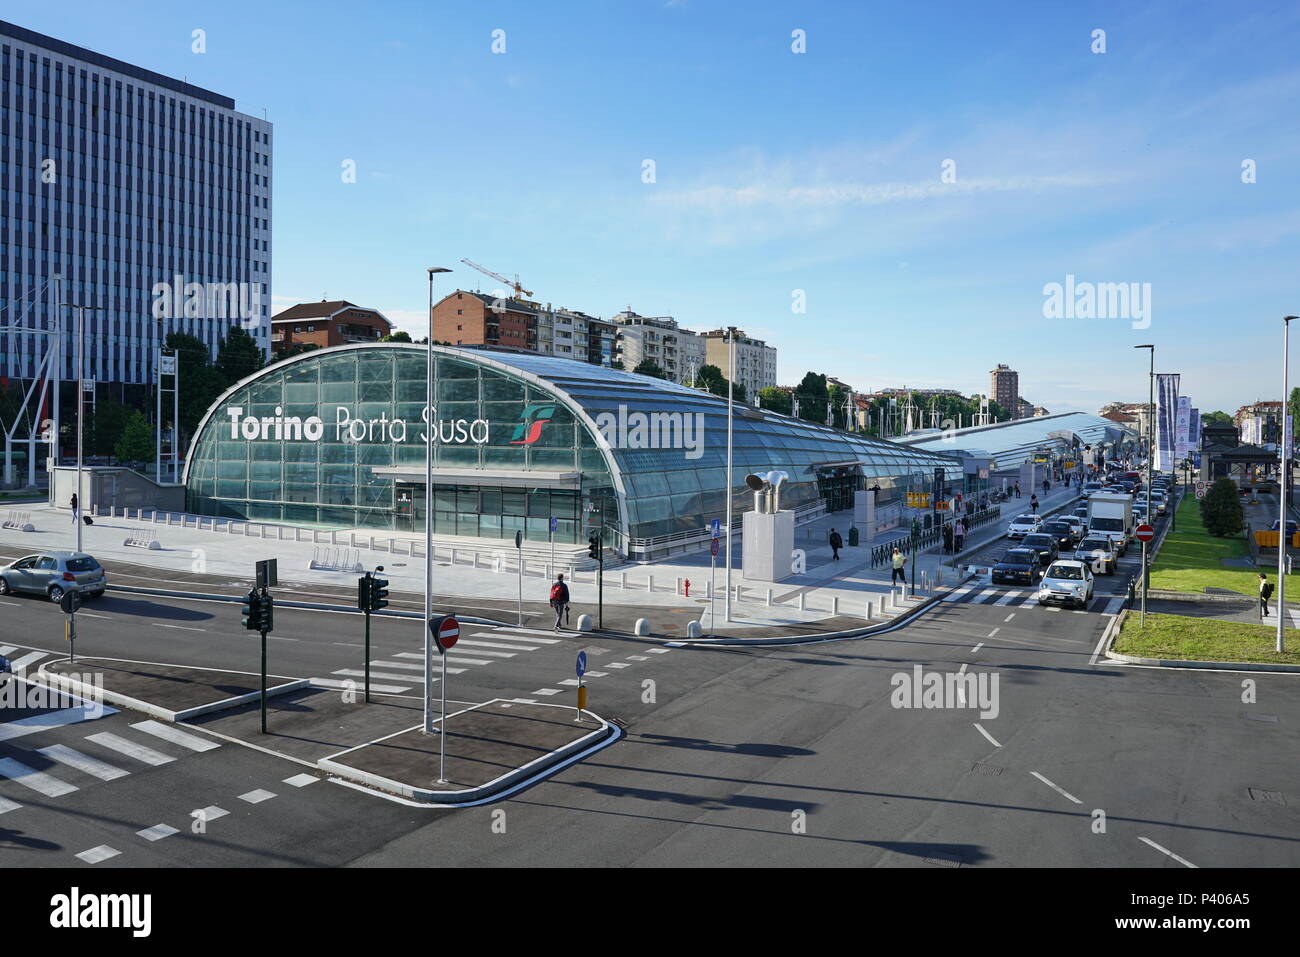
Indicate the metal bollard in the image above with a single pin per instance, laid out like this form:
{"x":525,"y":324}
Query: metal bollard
{"x":870,"y":609}
{"x":835,"y":604}
{"x":649,"y":583}
{"x":769,"y":598}
{"x":802,"y":600}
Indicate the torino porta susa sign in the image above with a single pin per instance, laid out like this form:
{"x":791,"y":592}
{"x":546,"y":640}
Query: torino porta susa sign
{"x":347,"y":428}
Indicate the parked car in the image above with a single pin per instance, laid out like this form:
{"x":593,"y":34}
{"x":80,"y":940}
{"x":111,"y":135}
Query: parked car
{"x":1066,"y":583}
{"x":1019,"y":566}
{"x":1061,"y":531}
{"x":1022,"y":525}
{"x":54,"y":573}
{"x":1044,"y":544}
{"x":1097,"y":551}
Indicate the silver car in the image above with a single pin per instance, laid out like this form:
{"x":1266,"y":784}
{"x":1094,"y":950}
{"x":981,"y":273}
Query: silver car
{"x":53,"y":574}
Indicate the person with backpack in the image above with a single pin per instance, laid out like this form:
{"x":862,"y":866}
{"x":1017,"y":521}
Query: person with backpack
{"x":836,"y":543}
{"x":1265,"y":593}
{"x":559,"y":599}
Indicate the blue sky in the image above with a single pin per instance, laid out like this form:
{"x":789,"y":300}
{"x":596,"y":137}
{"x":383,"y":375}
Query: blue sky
{"x":777,"y":171}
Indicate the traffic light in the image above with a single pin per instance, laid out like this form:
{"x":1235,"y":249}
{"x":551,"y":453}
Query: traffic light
{"x":593,"y":547}
{"x":378,"y":593}
{"x":363,"y":593}
{"x":257,"y":611}
{"x":251,"y":610}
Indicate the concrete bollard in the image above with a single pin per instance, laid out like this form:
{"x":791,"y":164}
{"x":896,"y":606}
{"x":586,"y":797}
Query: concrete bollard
{"x":694,"y":629}
{"x":769,"y":598}
{"x":835,"y":604}
{"x":803,"y":604}
{"x":870,"y":610}
{"x":622,"y":580}
{"x":641,"y":628}
{"x":649,"y":583}
{"x":584,"y":623}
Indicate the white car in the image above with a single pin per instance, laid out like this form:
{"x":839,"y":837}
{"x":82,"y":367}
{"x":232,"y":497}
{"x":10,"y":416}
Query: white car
{"x":1066,"y":582}
{"x":1159,"y":503}
{"x":1023,"y":525}
{"x":1098,"y":552}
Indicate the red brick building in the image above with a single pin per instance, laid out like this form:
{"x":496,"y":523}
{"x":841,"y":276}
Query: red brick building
{"x":469,"y":319}
{"x":327,"y":323}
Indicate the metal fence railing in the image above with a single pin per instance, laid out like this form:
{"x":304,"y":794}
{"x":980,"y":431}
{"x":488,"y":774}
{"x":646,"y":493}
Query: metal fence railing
{"x":928,"y":537}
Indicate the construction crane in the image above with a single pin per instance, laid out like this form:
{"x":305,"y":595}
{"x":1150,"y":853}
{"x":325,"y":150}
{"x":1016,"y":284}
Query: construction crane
{"x":520,"y":291}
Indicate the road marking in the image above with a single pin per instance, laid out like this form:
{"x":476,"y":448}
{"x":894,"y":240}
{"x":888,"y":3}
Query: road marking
{"x":20,"y":664}
{"x":1056,"y":787}
{"x":175,"y":735}
{"x":468,"y":661}
{"x":1165,"y":850}
{"x":981,"y":730}
{"x":256,"y":797}
{"x":618,"y":664}
{"x":994,"y":631}
{"x":158,"y":624}
{"x":301,"y":780}
{"x":210,"y":813}
{"x":984,"y":595}
{"x":476,"y":645}
{"x":516,"y":633}
{"x":157,"y":832}
{"x":961,"y":691}
{"x":1113,"y":606}
{"x":82,"y":762}
{"x":130,"y":748}
{"x":51,"y":719}
{"x":637,"y":658}
{"x":12,"y":604}
{"x":8,"y":805}
{"x":657,"y":651}
{"x":547,"y":691}
{"x":396,"y":664}
{"x":8,"y":649}
{"x":569,"y":681}
{"x":959,"y":593}
{"x":411,"y":654}
{"x":97,"y":854}
{"x":1009,"y":617}
{"x":354,"y":686}
{"x":1008,"y":598}
{"x":87,"y":614}
{"x":374,"y":675}
{"x":38,"y":781}
{"x":596,"y":674}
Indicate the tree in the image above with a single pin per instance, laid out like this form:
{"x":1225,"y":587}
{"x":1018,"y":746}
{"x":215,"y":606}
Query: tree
{"x":1221,"y":509}
{"x":813,"y":397}
{"x":105,"y":425}
{"x":238,"y":356}
{"x":712,"y":379}
{"x":136,"y":446}
{"x":293,"y":349}
{"x":777,"y":400}
{"x":201,"y":383}
{"x":651,"y":368}
{"x":398,"y":336}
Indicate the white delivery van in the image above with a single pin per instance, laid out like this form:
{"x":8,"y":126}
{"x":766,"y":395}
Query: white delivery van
{"x":1111,"y":514}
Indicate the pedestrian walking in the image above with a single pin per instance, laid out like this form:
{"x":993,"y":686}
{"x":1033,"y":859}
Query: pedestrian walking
{"x":1047,"y":484}
{"x":1017,"y":490}
{"x":76,"y":512}
{"x":559,"y":599}
{"x":959,"y":534}
{"x":836,"y":544}
{"x":1265,"y":593}
{"x":899,"y":563}
{"x":1033,"y":504}
{"x":947,"y":537}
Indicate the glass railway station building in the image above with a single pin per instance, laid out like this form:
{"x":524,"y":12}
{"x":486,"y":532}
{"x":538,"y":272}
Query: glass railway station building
{"x":1060,"y":439}
{"x":336,"y":438}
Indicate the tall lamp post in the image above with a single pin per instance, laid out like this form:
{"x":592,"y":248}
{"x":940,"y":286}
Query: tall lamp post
{"x":1282,"y":489}
{"x":1151,"y":458}
{"x":731,"y":378}
{"x":81,"y":395}
{"x":428,"y":519}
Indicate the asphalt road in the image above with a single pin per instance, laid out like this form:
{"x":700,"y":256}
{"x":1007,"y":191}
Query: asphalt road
{"x":733,"y":756}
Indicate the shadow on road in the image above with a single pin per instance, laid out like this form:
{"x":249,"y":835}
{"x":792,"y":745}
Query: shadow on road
{"x":144,"y":608}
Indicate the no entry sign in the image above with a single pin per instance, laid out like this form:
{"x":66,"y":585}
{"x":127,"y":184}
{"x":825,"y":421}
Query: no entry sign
{"x":446,"y":632}
{"x":1144,"y":533}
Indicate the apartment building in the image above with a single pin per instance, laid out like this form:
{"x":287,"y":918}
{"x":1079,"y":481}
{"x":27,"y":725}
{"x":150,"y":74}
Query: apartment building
{"x":148,"y":197}
{"x":755,"y":359}
{"x":658,"y":339}
{"x":1004,"y":389}
{"x":327,"y":323}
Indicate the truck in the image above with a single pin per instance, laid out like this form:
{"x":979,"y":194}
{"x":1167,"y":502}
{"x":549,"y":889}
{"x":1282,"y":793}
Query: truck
{"x":1111,"y":514}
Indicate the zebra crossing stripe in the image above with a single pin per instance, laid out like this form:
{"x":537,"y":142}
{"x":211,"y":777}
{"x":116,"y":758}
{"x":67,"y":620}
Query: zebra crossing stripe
{"x":8,"y":649}
{"x":20,"y":664}
{"x":354,"y":686}
{"x":157,"y":832}
{"x":513,"y":649}
{"x":547,"y":691}
{"x":983,"y":596}
{"x":97,"y":854}
{"x":175,"y":735}
{"x":412,"y":654}
{"x":35,"y":723}
{"x":8,"y":805}
{"x":38,"y":781}
{"x":83,"y":762}
{"x":407,"y":665}
{"x":374,"y":675}
{"x":1008,"y":598}
{"x":514,"y":630}
{"x":121,"y":745}
{"x":478,"y":649}
{"x":959,"y":594}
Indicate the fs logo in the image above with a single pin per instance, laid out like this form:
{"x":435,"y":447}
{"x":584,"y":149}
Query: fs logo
{"x":530,"y":427}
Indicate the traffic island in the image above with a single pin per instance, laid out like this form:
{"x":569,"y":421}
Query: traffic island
{"x":170,"y":692}
{"x":1177,"y":641}
{"x":491,"y":748}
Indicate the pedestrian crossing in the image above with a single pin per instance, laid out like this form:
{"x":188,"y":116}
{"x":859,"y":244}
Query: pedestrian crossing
{"x":982,"y":594}
{"x":403,"y":671}
{"x":57,"y":770}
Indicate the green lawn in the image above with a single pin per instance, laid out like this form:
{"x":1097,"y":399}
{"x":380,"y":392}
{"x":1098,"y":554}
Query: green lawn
{"x":1204,"y":639}
{"x":1191,"y":559}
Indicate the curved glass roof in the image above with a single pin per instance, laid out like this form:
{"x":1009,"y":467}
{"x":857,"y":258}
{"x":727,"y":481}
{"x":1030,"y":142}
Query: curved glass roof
{"x":1012,"y":443}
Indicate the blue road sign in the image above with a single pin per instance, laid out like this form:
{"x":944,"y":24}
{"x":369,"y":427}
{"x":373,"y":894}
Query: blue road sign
{"x":555,"y":524}
{"x":716,"y":527}
{"x":582,"y":663}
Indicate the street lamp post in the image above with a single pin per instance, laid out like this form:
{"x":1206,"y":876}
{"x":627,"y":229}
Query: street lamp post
{"x":81,"y":395}
{"x":1282,"y":489}
{"x":1151,"y":450}
{"x":428,"y":525}
{"x":731,"y":378}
